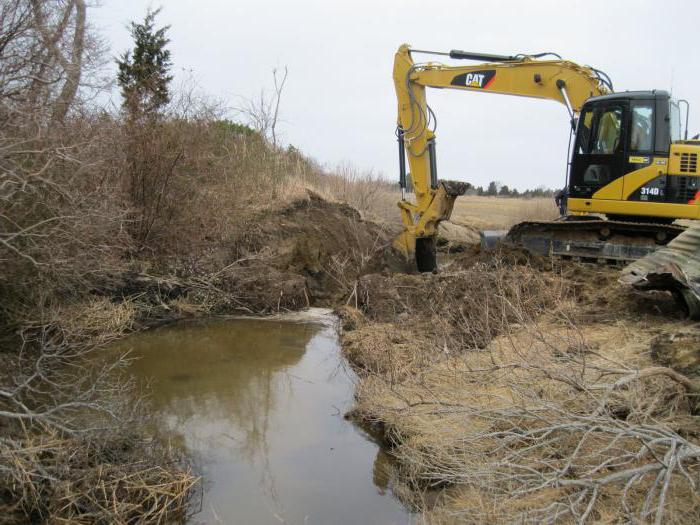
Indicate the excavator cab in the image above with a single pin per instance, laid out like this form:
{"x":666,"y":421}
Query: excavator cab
{"x":616,"y":135}
{"x":629,"y":161}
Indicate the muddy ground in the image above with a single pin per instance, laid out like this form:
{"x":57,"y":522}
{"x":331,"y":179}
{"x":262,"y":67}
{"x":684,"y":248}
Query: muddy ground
{"x":509,"y":387}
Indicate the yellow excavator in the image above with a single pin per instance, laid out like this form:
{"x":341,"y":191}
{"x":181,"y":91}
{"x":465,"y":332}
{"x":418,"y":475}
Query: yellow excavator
{"x":631,"y":170}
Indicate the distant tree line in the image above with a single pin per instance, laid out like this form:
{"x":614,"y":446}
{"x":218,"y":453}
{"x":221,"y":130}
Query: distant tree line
{"x":496,"y":189}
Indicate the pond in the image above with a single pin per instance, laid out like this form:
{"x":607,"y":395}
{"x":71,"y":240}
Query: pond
{"x":258,"y":406}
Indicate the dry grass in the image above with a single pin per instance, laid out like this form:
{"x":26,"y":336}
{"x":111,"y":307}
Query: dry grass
{"x":92,"y":481}
{"x":496,"y":213}
{"x":516,"y":413}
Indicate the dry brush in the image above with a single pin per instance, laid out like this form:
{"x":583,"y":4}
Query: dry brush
{"x":497,"y":397}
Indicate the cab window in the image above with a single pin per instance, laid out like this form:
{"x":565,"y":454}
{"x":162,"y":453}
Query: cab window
{"x":642,"y":133}
{"x":608,"y":132}
{"x":675,"y":116}
{"x":585,"y":124}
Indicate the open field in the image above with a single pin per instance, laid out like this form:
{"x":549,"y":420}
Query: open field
{"x":476,"y":212}
{"x":496,"y":213}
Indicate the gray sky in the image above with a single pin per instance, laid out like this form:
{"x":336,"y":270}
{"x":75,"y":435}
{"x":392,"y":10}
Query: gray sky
{"x":339,"y":103}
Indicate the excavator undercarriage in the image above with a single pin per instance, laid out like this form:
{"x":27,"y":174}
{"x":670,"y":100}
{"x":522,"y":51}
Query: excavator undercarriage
{"x":593,"y":239}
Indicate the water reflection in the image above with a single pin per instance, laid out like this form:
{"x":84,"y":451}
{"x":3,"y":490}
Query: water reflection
{"x":258,"y":405}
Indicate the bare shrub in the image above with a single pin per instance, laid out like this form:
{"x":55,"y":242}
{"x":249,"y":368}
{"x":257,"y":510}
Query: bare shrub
{"x":61,"y":221}
{"x":547,"y":422}
{"x":262,"y":112}
{"x":367,"y":191}
{"x":64,"y":405}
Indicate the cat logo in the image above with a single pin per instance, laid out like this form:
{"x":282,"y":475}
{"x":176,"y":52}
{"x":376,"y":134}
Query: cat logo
{"x":475,"y":79}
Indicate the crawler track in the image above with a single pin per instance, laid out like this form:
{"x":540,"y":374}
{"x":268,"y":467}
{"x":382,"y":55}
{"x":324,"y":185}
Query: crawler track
{"x":597,"y":240}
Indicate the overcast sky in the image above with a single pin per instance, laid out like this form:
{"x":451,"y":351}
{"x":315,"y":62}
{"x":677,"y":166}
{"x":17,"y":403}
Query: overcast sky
{"x":339,"y":104}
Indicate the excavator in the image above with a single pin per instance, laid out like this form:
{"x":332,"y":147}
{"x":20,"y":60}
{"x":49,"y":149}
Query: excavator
{"x":631,"y":171}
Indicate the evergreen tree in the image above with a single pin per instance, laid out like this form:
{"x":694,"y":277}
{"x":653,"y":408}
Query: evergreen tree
{"x":143,"y":72}
{"x":504,"y":191}
{"x":492,"y":189}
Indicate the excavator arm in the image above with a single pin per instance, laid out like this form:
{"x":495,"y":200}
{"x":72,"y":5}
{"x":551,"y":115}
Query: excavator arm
{"x":526,"y":76}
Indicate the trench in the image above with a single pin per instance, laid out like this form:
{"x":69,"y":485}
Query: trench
{"x":257,"y":407}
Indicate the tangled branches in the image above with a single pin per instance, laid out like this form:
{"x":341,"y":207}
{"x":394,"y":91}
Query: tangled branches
{"x":59,"y":384}
{"x":522,"y":415}
{"x":92,"y":481}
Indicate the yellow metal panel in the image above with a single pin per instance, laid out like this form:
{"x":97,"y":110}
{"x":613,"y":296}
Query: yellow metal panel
{"x":680,"y":155}
{"x":638,"y":178}
{"x":610,"y":191}
{"x":640,"y":208}
{"x":515,"y":79}
{"x":623,"y":187}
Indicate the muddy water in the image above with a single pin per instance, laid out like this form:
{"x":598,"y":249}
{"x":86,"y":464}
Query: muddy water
{"x":258,"y":405}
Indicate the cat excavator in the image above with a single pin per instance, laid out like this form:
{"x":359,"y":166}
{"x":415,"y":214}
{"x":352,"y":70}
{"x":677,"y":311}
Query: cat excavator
{"x":631,"y":172}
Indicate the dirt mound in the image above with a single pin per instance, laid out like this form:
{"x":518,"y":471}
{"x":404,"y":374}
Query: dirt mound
{"x":474,"y":302}
{"x":310,"y":253}
{"x":327,"y":244}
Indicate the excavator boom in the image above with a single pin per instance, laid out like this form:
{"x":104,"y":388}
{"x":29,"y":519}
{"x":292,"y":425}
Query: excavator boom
{"x":522,"y":75}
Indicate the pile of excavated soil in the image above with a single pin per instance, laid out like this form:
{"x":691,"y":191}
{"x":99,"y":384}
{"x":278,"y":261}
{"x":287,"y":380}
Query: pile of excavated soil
{"x":311,"y":253}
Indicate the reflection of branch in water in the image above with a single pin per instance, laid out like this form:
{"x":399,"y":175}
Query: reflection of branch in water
{"x":236,"y":376}
{"x":267,"y":478}
{"x":299,"y":378}
{"x":255,"y":442}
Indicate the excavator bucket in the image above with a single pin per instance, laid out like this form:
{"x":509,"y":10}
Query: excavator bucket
{"x":675,"y":268}
{"x":419,"y":239}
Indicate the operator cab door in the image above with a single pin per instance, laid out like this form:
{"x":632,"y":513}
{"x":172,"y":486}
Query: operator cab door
{"x":599,"y":155}
{"x":648,"y":137}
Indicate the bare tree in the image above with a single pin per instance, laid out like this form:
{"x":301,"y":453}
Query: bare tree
{"x":46,"y":47}
{"x":69,"y":61}
{"x":262,"y":112}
